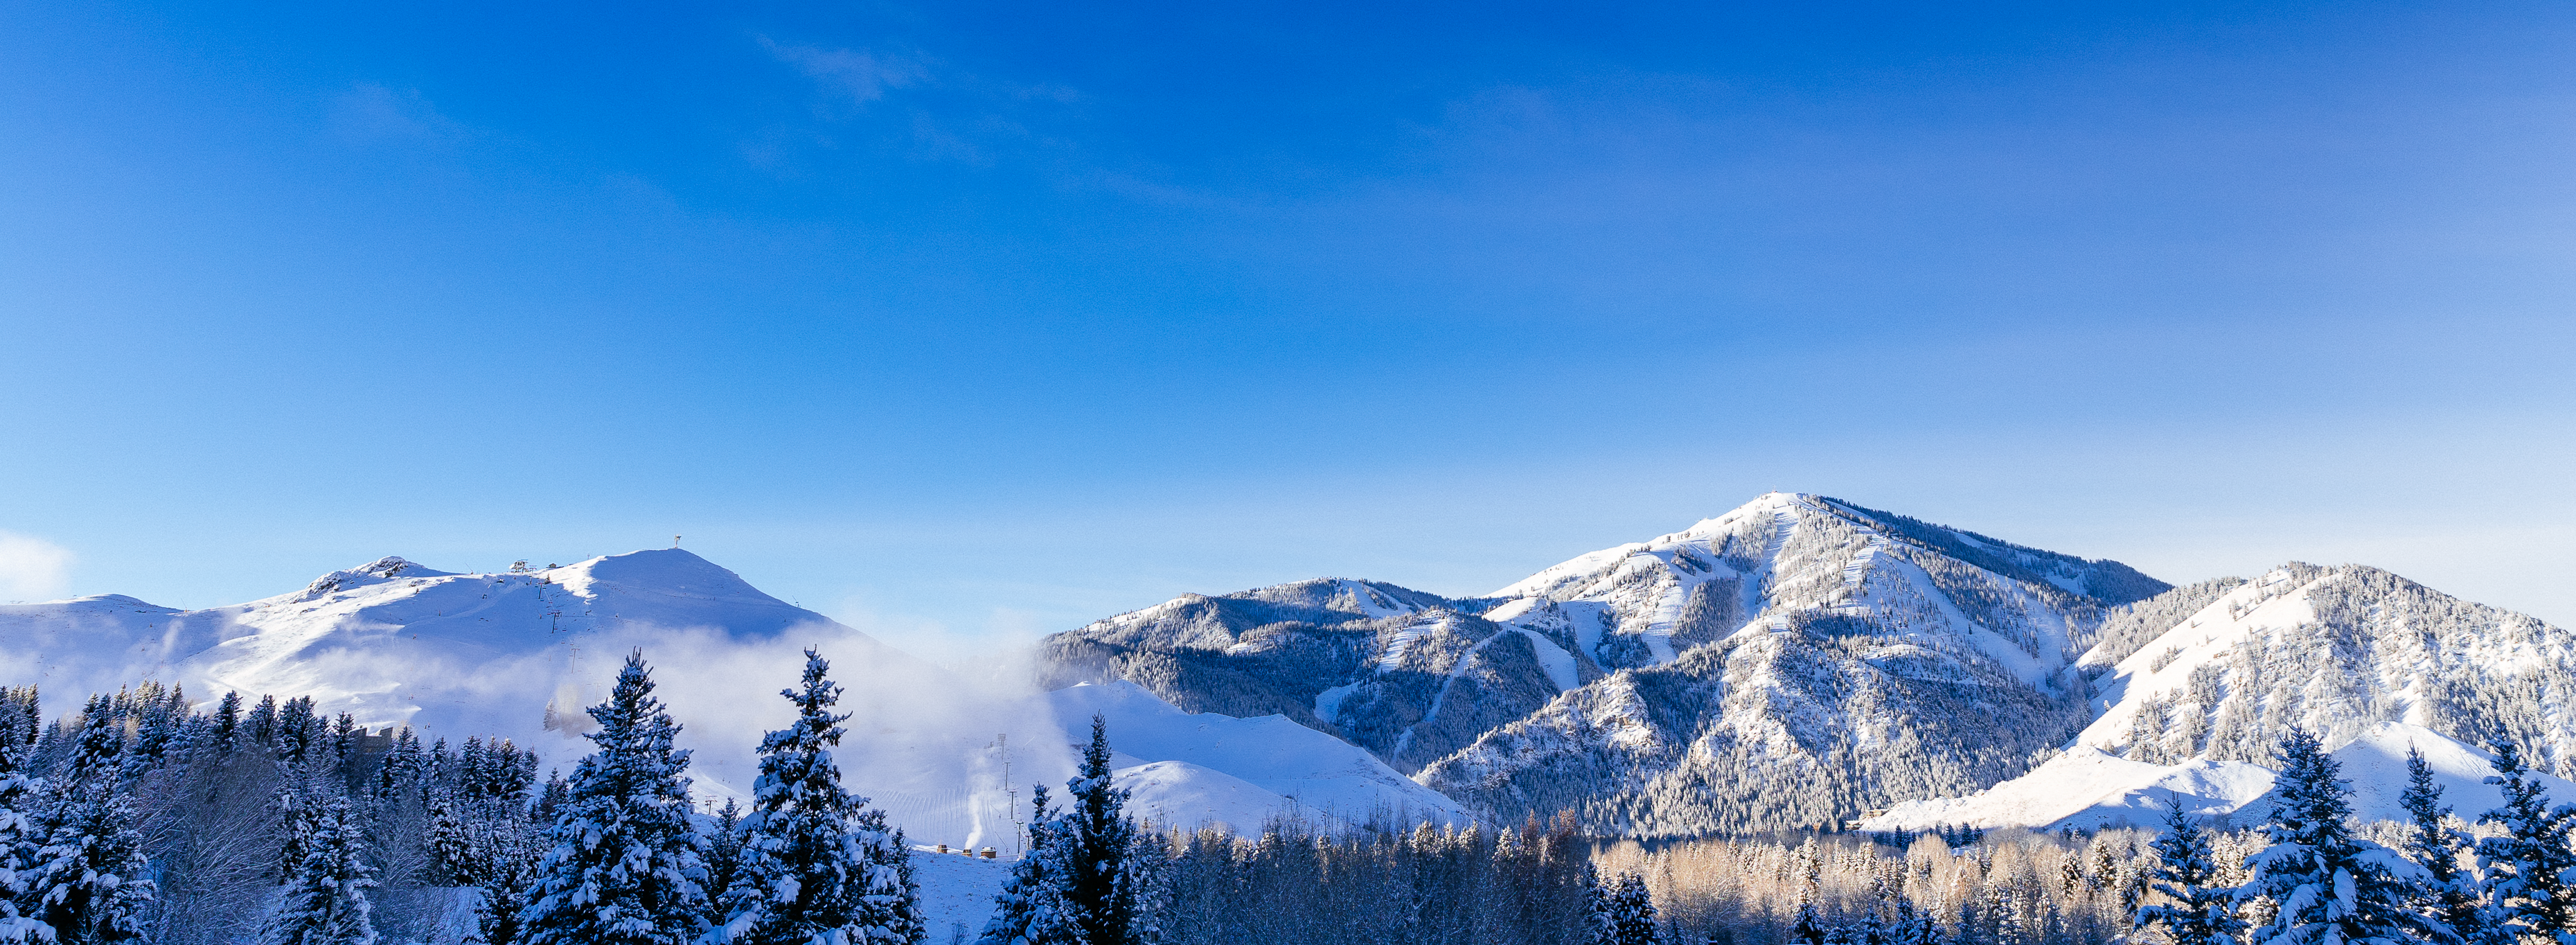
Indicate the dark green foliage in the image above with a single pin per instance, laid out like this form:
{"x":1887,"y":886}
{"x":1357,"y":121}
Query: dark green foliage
{"x":626,"y":865}
{"x":2199,"y":908}
{"x":2451,"y":896}
{"x":813,"y":863}
{"x":2324,"y":884}
{"x":2530,"y":868}
{"x":2109,"y":582}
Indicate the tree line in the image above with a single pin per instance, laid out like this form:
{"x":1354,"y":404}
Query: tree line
{"x":142,"y":819}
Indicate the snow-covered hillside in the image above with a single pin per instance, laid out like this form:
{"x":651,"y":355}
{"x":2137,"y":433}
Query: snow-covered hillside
{"x":1192,"y":769}
{"x":2370,"y":661}
{"x":1783,"y":664}
{"x":2338,"y":650}
{"x":521,"y":654}
{"x":1789,"y":663}
{"x":1409,"y":676}
{"x":2088,"y":789}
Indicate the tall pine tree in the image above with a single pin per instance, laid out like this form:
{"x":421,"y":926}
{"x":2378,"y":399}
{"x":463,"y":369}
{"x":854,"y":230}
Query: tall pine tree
{"x":2451,"y":896}
{"x":1090,"y":874}
{"x":724,"y":861}
{"x":89,"y":881}
{"x":1113,"y":869}
{"x":2530,"y":868}
{"x":1032,"y":908}
{"x":2328,"y":887}
{"x":626,"y":865}
{"x":19,"y":835}
{"x":2200,"y":911}
{"x":326,"y":898}
{"x":1632,"y":913}
{"x":817,"y":866}
{"x":1601,"y":923}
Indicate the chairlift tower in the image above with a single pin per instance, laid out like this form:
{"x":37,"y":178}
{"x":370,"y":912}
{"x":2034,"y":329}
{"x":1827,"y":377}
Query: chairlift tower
{"x":1011,"y":794}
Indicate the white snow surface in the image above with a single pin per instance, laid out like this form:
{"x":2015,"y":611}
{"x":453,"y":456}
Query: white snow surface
{"x":1207,"y":768}
{"x":956,"y":890}
{"x":2088,"y":789}
{"x":1558,"y":663}
{"x":1643,"y":588}
{"x":2246,"y":614}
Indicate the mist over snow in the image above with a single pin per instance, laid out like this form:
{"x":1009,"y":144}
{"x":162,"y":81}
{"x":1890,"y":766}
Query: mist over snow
{"x":520,"y":655}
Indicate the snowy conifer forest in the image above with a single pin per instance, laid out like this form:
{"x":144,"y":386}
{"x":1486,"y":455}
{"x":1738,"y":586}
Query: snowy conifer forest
{"x":140,"y":819}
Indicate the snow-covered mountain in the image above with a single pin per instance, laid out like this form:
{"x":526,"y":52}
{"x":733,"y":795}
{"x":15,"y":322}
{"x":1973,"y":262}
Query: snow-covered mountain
{"x":393,"y":642}
{"x":1408,"y":675}
{"x":521,"y":654}
{"x":1803,"y":660}
{"x":1190,"y":769}
{"x":2088,"y":789}
{"x":1792,"y":662}
{"x":1798,"y":660}
{"x":2370,"y":661}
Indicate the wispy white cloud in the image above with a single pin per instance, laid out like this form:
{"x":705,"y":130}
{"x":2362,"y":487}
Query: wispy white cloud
{"x":32,"y":568}
{"x":914,"y":104}
{"x":369,"y":113}
{"x":857,"y":76}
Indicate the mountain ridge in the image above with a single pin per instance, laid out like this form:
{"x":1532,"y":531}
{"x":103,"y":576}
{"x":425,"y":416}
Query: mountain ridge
{"x":1799,"y":660}
{"x":1532,"y":664}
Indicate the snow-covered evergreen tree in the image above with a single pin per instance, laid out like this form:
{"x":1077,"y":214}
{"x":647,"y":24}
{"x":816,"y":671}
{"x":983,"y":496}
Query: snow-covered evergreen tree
{"x":1112,"y":875}
{"x":626,"y":865}
{"x":724,"y":860}
{"x":1807,"y":927}
{"x":1909,"y":925}
{"x":18,"y":823}
{"x":1632,"y":913}
{"x":1032,"y":908}
{"x":299,"y":733}
{"x":552,"y":798}
{"x":2202,"y":911}
{"x":2452,"y":897}
{"x":2529,"y":869}
{"x":228,"y":719}
{"x":401,"y":768}
{"x":88,"y":881}
{"x":815,"y":868}
{"x":262,"y":723}
{"x":1601,"y":925}
{"x":156,"y":715}
{"x":299,"y":829}
{"x":2327,"y":886}
{"x":326,"y":901}
{"x":453,"y":852}
{"x":508,"y":873}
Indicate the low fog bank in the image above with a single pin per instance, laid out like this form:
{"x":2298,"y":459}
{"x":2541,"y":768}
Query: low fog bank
{"x":931,"y":746}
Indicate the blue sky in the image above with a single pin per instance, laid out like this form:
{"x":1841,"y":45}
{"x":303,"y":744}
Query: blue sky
{"x":987,"y":318}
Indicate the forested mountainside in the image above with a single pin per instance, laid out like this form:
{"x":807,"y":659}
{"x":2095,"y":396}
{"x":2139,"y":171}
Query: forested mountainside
{"x":2338,"y":651}
{"x":1410,"y":676}
{"x":1789,"y":663}
{"x":2194,"y":687}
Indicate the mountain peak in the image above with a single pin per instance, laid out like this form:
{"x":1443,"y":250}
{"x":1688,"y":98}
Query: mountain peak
{"x":378,"y":571}
{"x":663,"y":569}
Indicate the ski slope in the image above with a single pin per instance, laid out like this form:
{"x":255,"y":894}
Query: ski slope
{"x":2088,"y":789}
